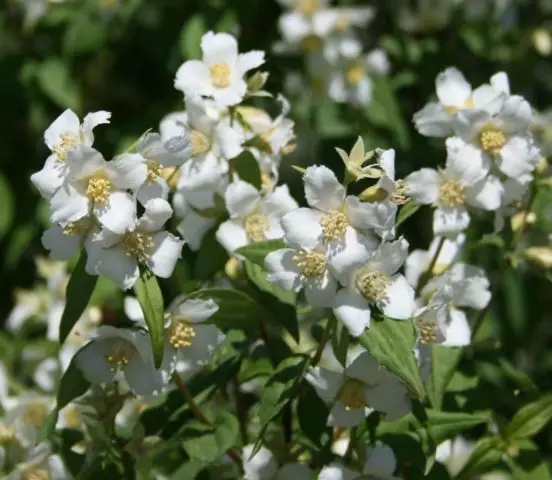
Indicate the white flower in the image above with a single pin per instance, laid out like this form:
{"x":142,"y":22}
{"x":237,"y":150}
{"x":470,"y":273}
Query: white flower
{"x":47,"y":375}
{"x":64,"y":241}
{"x":263,"y":466}
{"x":99,"y":187}
{"x":41,"y":464}
{"x":363,"y":384}
{"x":159,"y":154}
{"x":515,"y":189}
{"x":62,"y":136}
{"x":220,"y":74}
{"x":189,"y":342}
{"x":253,"y":218}
{"x":379,"y":465}
{"x":26,"y":414}
{"x":464,"y":181}
{"x":418,"y":261}
{"x":454,"y":453}
{"x":375,"y":282}
{"x":115,"y":352}
{"x":502,"y":136}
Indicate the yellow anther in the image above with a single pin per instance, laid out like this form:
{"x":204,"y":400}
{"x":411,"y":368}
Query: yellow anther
{"x":138,"y":245}
{"x":220,"y":75}
{"x":334,"y":224}
{"x":373,"y":285}
{"x":451,"y":193}
{"x":312,"y":264}
{"x":352,"y":394}
{"x":35,"y":413}
{"x":200,"y":142}
{"x":119,"y":354}
{"x":354,"y":74}
{"x":181,"y":333}
{"x":492,"y":139}
{"x":67,"y":142}
{"x":99,"y":188}
{"x":255,"y":227}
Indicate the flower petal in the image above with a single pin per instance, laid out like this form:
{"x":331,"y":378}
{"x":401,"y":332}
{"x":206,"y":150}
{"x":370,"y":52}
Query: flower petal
{"x":353,"y":311}
{"x":118,"y":214}
{"x":279,"y":202}
{"x":91,"y":361}
{"x":453,"y":90}
{"x":433,"y":121}
{"x":193,"y":78}
{"x":486,"y":194}
{"x":449,"y":222}
{"x":302,"y":228}
{"x":341,"y":417}
{"x":67,"y":122}
{"x":327,"y":383}
{"x":231,"y":235}
{"x":366,"y":369}
{"x":90,"y":122}
{"x":519,"y":156}
{"x":241,"y":199}
{"x":322,"y":189}
{"x":195,"y":310}
{"x":380,"y":461}
{"x":282,"y":270}
{"x":458,"y":332}
{"x":68,"y":205}
{"x":423,"y":185}
{"x":50,"y":178}
{"x":399,"y":304}
{"x":320,"y":291}
{"x":219,"y":48}
{"x":250,"y":60}
{"x":156,"y":214}
{"x":465,"y":162}
{"x":128,"y":171}
{"x":167,"y":250}
{"x":60,"y":245}
{"x":262,"y":466}
{"x":113,"y":263}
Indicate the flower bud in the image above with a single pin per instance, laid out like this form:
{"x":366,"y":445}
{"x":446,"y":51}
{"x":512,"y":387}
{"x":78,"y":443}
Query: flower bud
{"x":540,"y":255}
{"x":256,"y":82}
{"x":373,"y":194}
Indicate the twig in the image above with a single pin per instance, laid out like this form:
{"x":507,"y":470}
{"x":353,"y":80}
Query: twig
{"x":429,"y":273}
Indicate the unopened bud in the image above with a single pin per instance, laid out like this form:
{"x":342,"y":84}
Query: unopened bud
{"x":522,"y":219}
{"x":256,"y":82}
{"x":373,"y":194}
{"x":232,"y":268}
{"x":542,"y":166}
{"x":540,"y":255}
{"x":542,"y":41}
{"x":301,"y":170}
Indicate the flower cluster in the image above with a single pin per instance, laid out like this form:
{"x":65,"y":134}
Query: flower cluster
{"x":335,"y":61}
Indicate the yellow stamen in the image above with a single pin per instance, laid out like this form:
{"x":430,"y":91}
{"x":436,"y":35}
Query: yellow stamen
{"x":352,"y":394}
{"x":451,"y":193}
{"x":312,"y":264}
{"x":99,"y":187}
{"x":181,"y":333}
{"x":255,"y":227}
{"x":67,"y":142}
{"x":334,"y":224}
{"x":373,"y":285}
{"x":35,"y":413}
{"x":200,"y":142}
{"x":354,"y":74}
{"x":492,"y":139}
{"x":220,"y":75}
{"x":119,"y":354}
{"x":138,"y":245}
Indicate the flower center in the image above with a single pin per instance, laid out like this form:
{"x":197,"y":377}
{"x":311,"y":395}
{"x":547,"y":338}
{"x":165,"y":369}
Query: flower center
{"x":154,"y":170}
{"x":35,"y":413}
{"x":427,"y":333}
{"x":399,"y":197}
{"x":78,"y":228}
{"x":373,"y":285}
{"x":220,"y":75}
{"x":307,"y":7}
{"x":492,"y":140}
{"x":138,"y":245}
{"x":72,"y":417}
{"x":354,"y":74}
{"x":7,"y":434}
{"x":200,"y":142}
{"x":172,"y":176}
{"x":35,"y":474}
{"x":451,"y":109}
{"x":99,"y":188}
{"x":342,"y":24}
{"x":312,"y":264}
{"x":67,"y":142}
{"x":180,"y":333}
{"x":255,"y":227}
{"x":118,"y":355}
{"x":352,"y":394}
{"x":451,"y":193}
{"x":334,"y":224}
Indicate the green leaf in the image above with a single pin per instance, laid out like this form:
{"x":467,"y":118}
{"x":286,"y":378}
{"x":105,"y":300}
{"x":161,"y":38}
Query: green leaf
{"x":443,"y":366}
{"x":340,"y":343}
{"x":247,"y":168}
{"x":530,"y":419}
{"x":84,"y":35}
{"x":236,"y":309}
{"x":72,"y":385}
{"x":278,"y":391}
{"x":150,"y":298}
{"x":79,"y":291}
{"x":211,"y":256}
{"x":48,"y":427}
{"x":406,"y":211}
{"x":256,"y":252}
{"x":330,"y":122}
{"x":190,"y":36}
{"x":487,"y":453}
{"x":310,"y":410}
{"x":529,"y":463}
{"x":7,"y":211}
{"x":258,"y":276}
{"x":55,"y":80}
{"x":391,"y":343}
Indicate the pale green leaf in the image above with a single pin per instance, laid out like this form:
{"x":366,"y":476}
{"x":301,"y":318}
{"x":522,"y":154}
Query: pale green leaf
{"x":530,"y":419}
{"x":443,"y":366}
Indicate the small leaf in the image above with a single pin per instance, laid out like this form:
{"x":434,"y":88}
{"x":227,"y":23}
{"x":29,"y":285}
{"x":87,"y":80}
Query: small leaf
{"x":406,"y":211}
{"x":7,"y":211}
{"x":529,"y":463}
{"x":48,"y":427}
{"x":340,"y":343}
{"x":79,"y":291}
{"x":54,"y":78}
{"x":310,"y":409}
{"x":443,"y":366}
{"x":391,"y":343}
{"x":190,"y":36}
{"x":530,"y":419}
{"x":247,"y":168}
{"x":84,"y":35}
{"x":72,"y":385}
{"x":256,"y":252}
{"x":150,"y":298}
{"x":236,"y":309}
{"x":487,"y":453}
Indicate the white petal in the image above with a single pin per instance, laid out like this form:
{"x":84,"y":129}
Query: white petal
{"x":486,"y":194}
{"x":320,"y":291}
{"x":195,"y":310}
{"x":68,"y":205}
{"x":219,"y":48}
{"x":366,"y":369}
{"x":433,"y":121}
{"x":302,"y":228}
{"x":91,"y":360}
{"x":353,"y":311}
{"x":262,"y":466}
{"x":114,"y":264}
{"x":229,"y":141}
{"x":282,"y":270}
{"x":322,"y":189}
{"x":193,"y":78}
{"x":340,"y":417}
{"x":142,"y":377}
{"x":449,"y":222}
{"x":133,"y":310}
{"x":151,"y":190}
{"x":465,"y":162}
{"x":50,"y":178}
{"x":231,"y":235}
{"x":67,"y":122}
{"x":390,"y":256}
{"x":241,"y":199}
{"x":423,"y":185}
{"x":515,"y":115}
{"x":61,"y":246}
{"x":380,"y":461}
{"x":326,"y":383}
{"x":166,"y":252}
{"x":452,"y":88}
{"x":337,"y":472}
{"x":193,"y":227}
{"x":225,"y":97}
{"x":84,"y":161}
{"x":279,"y":202}
{"x":467,"y":124}
{"x":250,"y":60}
{"x":416,"y":264}
{"x":519,"y":156}
{"x":399,"y":303}
{"x":118,"y":214}
{"x":458,"y":331}
{"x":127,"y":171}
{"x":157,"y":212}
{"x":90,"y":122}
{"x":500,"y":82}
{"x":488,"y":99}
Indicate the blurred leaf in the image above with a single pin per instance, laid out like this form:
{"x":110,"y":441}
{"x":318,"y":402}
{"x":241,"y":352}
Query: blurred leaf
{"x":48,"y":427}
{"x":515,"y":305}
{"x":487,"y":453}
{"x":311,"y":411}
{"x":520,"y":378}
{"x":529,"y":463}
{"x":228,"y":22}
{"x":79,"y":290}
{"x":256,"y":252}
{"x":7,"y":209}
{"x":55,"y":80}
{"x":391,"y":343}
{"x":84,"y":35}
{"x":530,"y":419}
{"x":406,"y":211}
{"x":19,"y":241}
{"x":72,"y":385}
{"x":330,"y":122}
{"x":340,"y":343}
{"x":247,"y":168}
{"x":150,"y":298}
{"x":190,"y":36}
{"x":443,"y":366}
{"x":211,"y":256}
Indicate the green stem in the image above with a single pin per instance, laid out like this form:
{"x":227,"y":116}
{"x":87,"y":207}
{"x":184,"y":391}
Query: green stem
{"x":323,"y":341}
{"x":428,"y":274}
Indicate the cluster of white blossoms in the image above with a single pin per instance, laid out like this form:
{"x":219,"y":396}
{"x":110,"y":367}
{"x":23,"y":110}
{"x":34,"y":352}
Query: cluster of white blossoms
{"x":335,"y":61}
{"x":491,"y":152}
